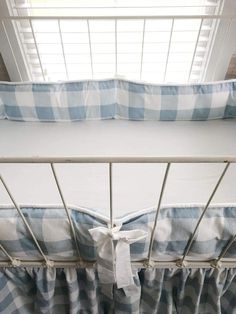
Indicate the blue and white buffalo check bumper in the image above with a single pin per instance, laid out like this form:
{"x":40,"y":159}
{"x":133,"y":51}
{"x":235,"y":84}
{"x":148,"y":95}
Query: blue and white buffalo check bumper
{"x":116,"y":99}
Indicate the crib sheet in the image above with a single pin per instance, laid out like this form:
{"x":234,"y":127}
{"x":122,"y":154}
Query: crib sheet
{"x":135,"y":186}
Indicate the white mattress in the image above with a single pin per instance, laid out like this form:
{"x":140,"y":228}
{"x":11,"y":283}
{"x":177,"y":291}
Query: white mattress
{"x":136,"y":186}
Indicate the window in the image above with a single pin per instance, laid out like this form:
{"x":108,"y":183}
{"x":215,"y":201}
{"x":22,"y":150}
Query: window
{"x":112,"y":38}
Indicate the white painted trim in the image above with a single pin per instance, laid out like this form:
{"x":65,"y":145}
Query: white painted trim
{"x":121,"y":17}
{"x":11,"y":50}
{"x":224,"y":45}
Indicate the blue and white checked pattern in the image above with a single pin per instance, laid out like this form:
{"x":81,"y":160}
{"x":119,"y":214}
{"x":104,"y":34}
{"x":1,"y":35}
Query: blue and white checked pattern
{"x":76,"y":290}
{"x":116,"y":99}
{"x":158,"y":291}
{"x":174,"y":227}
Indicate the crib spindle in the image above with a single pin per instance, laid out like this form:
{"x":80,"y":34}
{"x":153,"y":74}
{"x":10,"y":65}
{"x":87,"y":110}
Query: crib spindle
{"x":217,"y":262}
{"x":13,"y":261}
{"x":47,"y":261}
{"x":158,"y":211}
{"x":111,"y":194}
{"x":181,"y":262}
{"x":66,"y":209}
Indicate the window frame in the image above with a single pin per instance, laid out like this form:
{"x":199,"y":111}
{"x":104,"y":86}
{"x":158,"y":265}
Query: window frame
{"x":217,"y":58}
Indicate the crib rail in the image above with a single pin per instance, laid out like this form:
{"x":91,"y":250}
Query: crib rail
{"x":139,"y":264}
{"x":110,"y":160}
{"x":120,"y":159}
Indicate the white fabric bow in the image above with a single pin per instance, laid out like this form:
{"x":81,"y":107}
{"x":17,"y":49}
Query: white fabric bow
{"x":113,"y":262}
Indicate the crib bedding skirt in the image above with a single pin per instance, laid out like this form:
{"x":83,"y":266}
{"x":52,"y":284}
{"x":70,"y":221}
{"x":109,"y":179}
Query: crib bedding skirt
{"x":78,"y":290}
{"x":88,"y":290}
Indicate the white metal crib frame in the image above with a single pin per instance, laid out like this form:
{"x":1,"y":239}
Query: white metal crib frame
{"x":110,"y":160}
{"x":149,"y":262}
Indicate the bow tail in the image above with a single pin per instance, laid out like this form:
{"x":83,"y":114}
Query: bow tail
{"x":123,"y":269}
{"x":113,"y":261}
{"x":105,"y":262}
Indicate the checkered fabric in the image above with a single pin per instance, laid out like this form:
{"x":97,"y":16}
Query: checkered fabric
{"x":116,"y":99}
{"x":77,"y":290}
{"x":157,"y":291}
{"x":175,"y":226}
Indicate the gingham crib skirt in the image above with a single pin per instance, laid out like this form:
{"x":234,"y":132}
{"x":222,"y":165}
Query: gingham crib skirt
{"x":104,"y":288}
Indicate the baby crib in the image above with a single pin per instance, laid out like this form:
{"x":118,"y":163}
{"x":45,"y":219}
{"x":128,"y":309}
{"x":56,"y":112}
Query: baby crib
{"x":132,"y":213}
